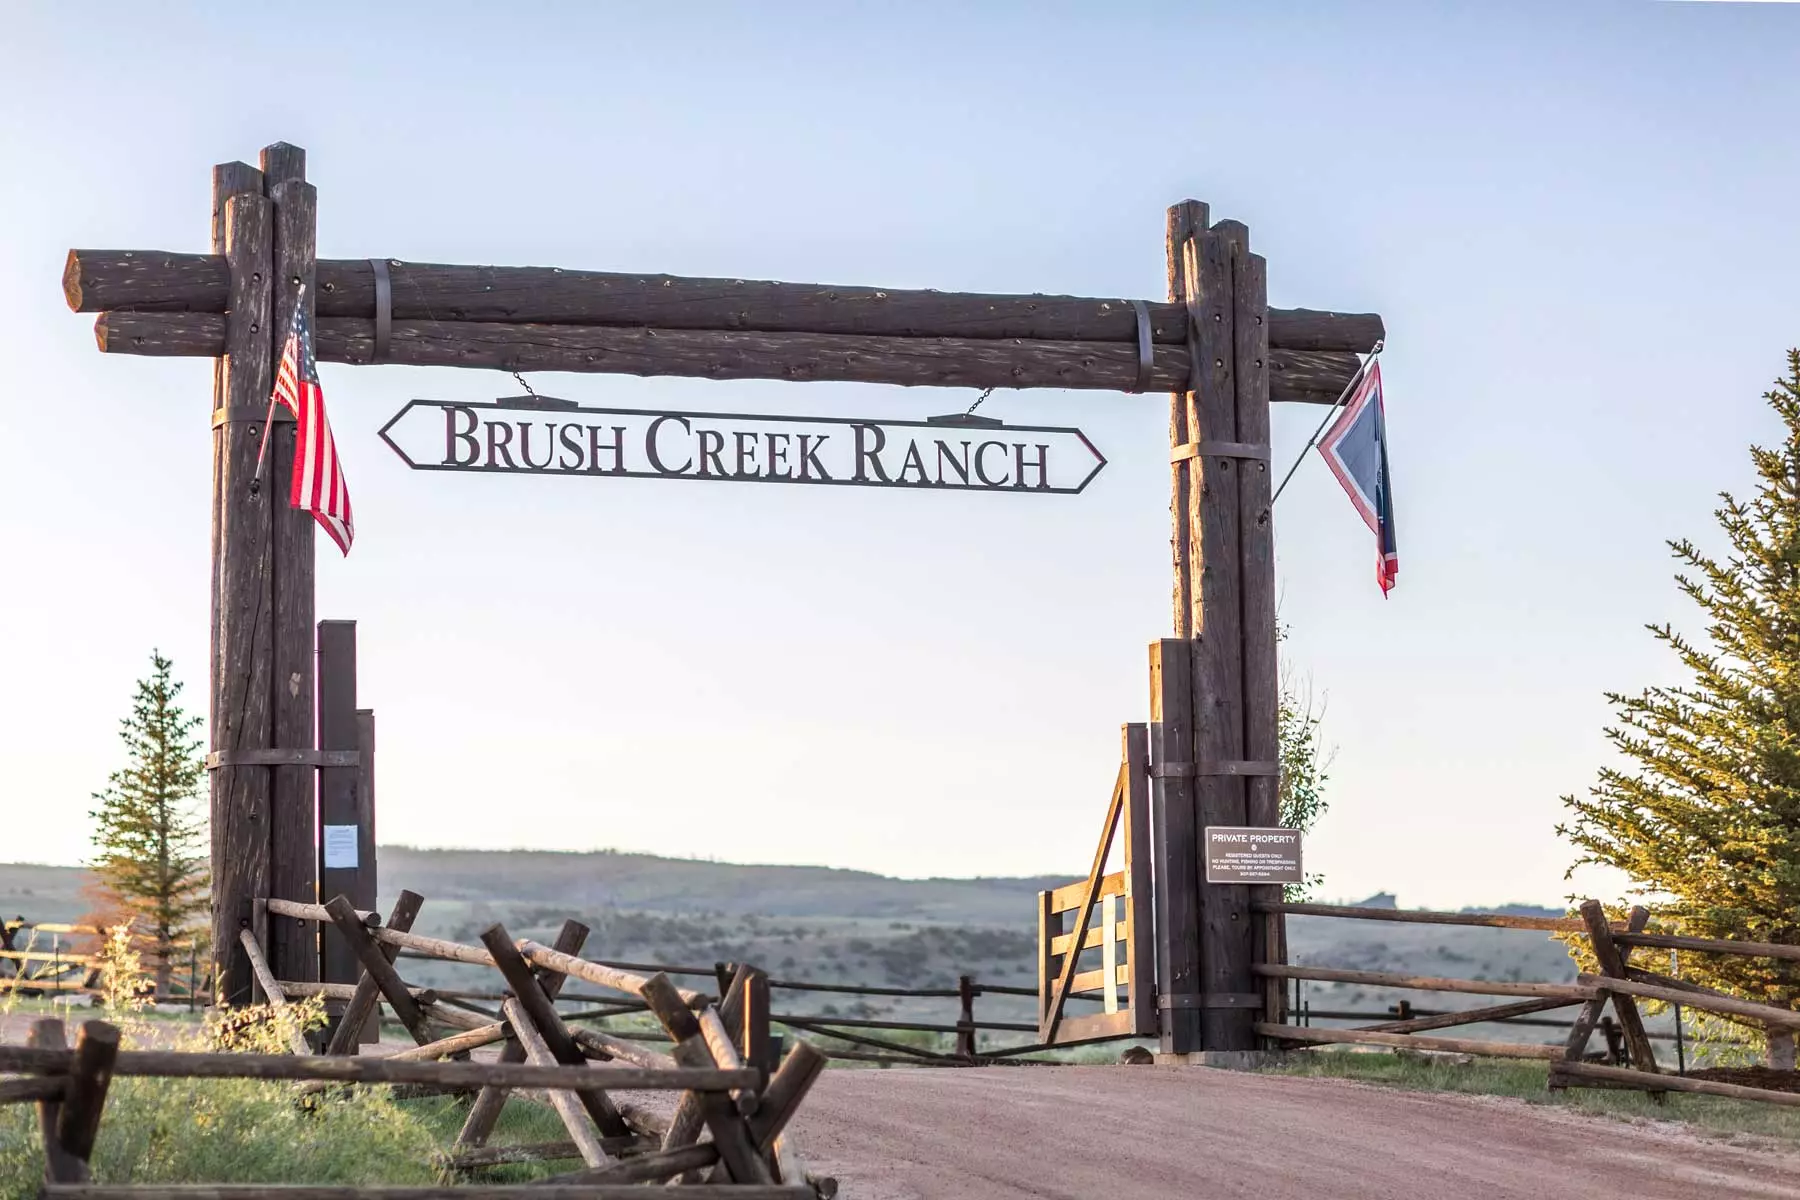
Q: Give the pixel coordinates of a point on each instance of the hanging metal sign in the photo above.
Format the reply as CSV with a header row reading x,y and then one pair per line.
x,y
1261,854
545,436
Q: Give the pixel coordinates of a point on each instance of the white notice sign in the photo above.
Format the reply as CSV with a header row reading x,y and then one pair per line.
x,y
340,846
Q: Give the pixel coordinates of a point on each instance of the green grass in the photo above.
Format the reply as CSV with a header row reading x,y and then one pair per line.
x,y
1527,1081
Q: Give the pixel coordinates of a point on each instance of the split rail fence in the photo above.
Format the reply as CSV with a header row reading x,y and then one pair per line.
x,y
728,1130
44,958
1617,984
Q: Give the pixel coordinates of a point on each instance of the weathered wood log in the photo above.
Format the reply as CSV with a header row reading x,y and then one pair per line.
x,y
1469,1016
595,973
23,1091
1307,376
787,1088
459,1043
1423,917
474,1158
1578,1074
1575,1046
48,1038
1768,1014
689,1119
730,1130
178,1065
96,1049
377,967
568,1105
1612,962
653,1167
157,281
317,912
274,991
310,1191
294,988
358,1013
484,1114
243,688
1669,941
1405,1041
1573,993
597,1043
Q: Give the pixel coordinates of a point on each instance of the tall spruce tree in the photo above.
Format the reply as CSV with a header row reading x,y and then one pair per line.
x,y
1705,818
149,828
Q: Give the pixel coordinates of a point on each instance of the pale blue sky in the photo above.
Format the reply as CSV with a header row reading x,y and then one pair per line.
x,y
1577,219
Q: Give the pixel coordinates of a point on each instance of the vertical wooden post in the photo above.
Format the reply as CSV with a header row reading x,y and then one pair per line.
x,y
292,944
340,862
965,1016
1175,846
241,690
758,1042
1140,952
368,881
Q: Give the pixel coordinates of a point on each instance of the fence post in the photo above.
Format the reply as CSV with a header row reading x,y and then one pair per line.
x,y
342,870
965,1020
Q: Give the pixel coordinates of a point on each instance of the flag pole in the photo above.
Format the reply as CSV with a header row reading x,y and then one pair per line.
x,y
1355,381
269,419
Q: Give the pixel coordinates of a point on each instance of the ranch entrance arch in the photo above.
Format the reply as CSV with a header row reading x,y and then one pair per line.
x,y
291,754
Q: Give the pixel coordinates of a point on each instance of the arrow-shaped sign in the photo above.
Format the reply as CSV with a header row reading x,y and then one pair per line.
x,y
544,436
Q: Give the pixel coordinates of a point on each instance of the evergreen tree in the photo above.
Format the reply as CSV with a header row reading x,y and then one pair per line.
x,y
149,829
1704,818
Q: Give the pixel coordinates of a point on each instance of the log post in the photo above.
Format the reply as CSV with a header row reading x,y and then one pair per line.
x,y
293,946
965,1017
96,1046
730,1130
360,1022
242,689
60,1166
1175,843
340,864
478,1126
379,969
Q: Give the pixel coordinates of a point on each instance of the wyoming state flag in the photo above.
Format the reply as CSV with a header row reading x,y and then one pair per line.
x,y
1356,450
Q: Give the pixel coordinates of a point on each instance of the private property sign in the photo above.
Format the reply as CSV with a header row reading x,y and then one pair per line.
x,y
1252,855
543,436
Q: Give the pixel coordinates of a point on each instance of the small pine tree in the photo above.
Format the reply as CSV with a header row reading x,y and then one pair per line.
x,y
151,859
1705,818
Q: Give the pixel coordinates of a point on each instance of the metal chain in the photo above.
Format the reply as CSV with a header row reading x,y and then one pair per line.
x,y
986,392
523,384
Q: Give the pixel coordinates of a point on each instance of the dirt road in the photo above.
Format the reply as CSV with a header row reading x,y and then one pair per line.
x,y
1162,1133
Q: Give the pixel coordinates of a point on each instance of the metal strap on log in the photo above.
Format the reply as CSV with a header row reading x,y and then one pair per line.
x,y
1190,770
282,758
1245,450
384,309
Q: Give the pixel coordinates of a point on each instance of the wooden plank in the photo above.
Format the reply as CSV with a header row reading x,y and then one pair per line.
x,y
338,805
1304,376
1768,1014
1426,983
568,1105
272,990
1069,896
1424,917
317,912
1606,953
1095,936
376,964
309,1191
541,1008
484,1114
1094,1028
242,686
293,948
151,280
1405,1041
1138,928
1470,1016
1095,980
730,1131
1578,1074
96,1049
361,1011
1108,829
1177,842
1183,221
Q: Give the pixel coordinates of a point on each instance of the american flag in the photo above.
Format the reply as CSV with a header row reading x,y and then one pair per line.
x,y
1356,451
318,485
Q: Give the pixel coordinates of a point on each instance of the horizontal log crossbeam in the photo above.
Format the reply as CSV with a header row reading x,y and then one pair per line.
x,y
157,281
1306,376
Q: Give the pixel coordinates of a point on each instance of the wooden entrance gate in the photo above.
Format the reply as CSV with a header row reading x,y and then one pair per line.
x,y
280,770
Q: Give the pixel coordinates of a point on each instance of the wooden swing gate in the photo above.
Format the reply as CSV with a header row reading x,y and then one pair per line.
x,y
291,762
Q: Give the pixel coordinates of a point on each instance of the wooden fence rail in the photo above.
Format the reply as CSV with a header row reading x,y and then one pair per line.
x,y
1616,984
